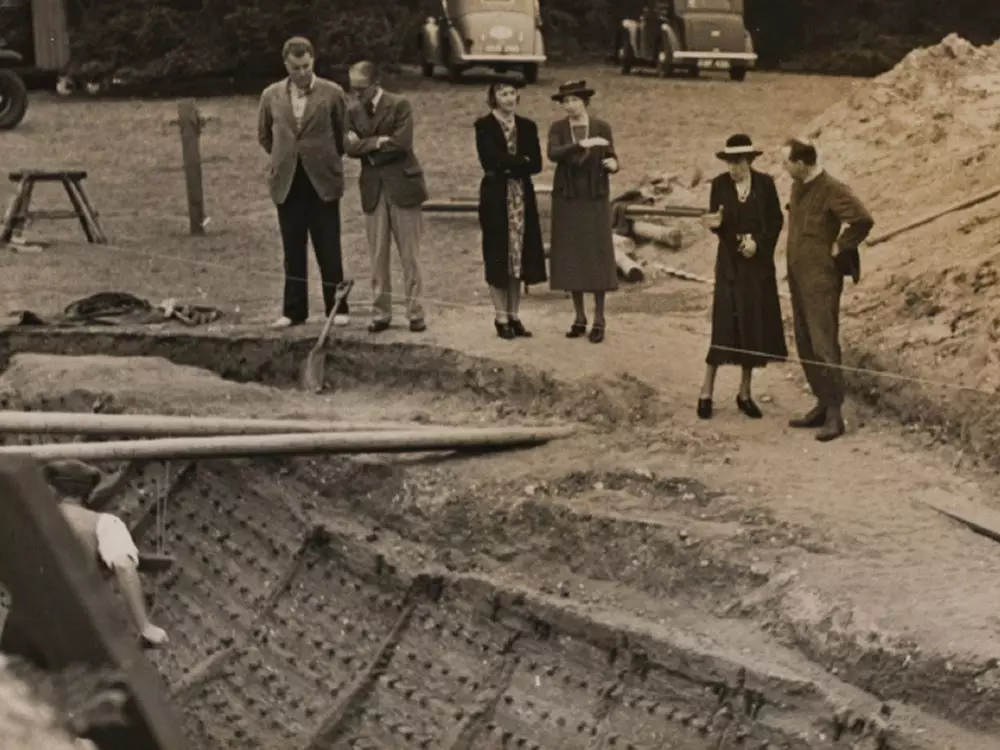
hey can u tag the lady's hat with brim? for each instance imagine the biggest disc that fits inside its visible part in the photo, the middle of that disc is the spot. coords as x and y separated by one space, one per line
738 146
573 88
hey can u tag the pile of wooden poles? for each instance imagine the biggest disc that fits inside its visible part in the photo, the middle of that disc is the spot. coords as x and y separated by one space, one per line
165 437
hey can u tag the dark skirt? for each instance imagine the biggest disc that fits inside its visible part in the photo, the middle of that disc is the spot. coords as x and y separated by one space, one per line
746 315
582 258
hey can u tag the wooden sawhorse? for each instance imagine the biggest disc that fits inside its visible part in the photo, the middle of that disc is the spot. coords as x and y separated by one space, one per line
19 213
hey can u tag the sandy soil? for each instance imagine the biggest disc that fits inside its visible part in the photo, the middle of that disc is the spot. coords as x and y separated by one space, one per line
821 561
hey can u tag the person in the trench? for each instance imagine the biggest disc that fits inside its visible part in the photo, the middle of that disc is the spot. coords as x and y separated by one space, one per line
108 544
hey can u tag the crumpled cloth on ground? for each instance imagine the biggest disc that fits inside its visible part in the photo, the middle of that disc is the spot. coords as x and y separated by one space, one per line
119 308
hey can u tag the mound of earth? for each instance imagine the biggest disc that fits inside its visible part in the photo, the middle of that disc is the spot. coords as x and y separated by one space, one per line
915 140
155 385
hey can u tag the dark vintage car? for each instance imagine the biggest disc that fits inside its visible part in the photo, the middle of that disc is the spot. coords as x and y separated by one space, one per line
687 36
13 93
500 34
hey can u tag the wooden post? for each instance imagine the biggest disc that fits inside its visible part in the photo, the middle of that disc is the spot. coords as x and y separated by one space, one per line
189 120
69 613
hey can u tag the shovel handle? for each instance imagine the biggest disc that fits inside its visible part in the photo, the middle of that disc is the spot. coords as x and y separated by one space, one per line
343 289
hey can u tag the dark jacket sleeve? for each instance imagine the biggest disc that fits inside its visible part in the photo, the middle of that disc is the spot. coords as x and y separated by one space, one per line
338 116
846 206
559 149
534 154
715 203
858 223
774 217
492 156
609 150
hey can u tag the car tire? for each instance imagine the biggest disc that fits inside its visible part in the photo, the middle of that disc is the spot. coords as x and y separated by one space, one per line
737 74
13 100
530 73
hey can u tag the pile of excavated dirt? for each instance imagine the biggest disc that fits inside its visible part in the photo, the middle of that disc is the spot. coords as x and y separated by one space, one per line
913 141
921 137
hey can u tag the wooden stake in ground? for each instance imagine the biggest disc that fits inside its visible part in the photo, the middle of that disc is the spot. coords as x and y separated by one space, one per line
160 425
403 441
312 377
190 122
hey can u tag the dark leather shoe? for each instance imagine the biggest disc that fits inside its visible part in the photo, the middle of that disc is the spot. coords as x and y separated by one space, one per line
504 330
596 334
377 326
518 328
704 408
831 430
418 326
578 329
748 407
815 418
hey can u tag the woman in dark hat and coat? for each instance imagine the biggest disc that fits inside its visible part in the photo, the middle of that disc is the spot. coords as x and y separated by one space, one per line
513 252
582 258
747 328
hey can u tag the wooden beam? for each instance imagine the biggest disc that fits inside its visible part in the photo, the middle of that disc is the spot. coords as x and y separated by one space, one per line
163 425
408 441
70 612
982 520
190 122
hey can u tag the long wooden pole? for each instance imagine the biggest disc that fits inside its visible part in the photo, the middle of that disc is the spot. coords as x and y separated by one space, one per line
190 122
408 441
162 425
933 216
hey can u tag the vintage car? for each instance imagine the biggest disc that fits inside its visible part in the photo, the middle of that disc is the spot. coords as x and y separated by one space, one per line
13 93
499 34
689 36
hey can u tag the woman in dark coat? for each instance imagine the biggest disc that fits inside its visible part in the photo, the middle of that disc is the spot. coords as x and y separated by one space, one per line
513 253
746 311
582 259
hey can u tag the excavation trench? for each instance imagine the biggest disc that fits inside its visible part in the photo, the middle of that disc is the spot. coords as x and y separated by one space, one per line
439 602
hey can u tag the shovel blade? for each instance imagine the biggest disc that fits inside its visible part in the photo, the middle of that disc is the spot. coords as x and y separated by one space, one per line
313 375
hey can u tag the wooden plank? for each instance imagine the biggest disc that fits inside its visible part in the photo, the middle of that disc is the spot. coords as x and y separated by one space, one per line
982 520
189 121
72 614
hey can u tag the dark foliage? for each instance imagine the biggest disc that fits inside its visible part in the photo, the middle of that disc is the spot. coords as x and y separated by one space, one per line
172 40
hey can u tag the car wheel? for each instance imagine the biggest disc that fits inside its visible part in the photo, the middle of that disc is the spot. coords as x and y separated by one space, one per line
737 74
626 56
13 100
531 73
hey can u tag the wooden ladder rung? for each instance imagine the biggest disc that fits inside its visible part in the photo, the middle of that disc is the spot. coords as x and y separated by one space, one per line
53 215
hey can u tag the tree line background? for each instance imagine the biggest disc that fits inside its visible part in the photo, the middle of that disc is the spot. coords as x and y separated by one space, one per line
172 40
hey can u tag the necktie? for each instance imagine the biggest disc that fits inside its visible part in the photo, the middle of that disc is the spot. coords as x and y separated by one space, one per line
371 109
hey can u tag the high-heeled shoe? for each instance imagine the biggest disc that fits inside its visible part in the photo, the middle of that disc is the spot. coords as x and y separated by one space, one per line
504 330
704 408
578 329
518 328
748 407
597 333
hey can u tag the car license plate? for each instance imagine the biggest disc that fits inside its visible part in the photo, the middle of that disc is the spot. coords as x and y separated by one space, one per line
501 49
720 64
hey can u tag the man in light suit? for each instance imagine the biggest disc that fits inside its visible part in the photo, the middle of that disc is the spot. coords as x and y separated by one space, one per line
301 127
380 135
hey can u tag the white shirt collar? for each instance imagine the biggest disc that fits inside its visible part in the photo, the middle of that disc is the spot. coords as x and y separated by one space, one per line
307 89
816 173
377 98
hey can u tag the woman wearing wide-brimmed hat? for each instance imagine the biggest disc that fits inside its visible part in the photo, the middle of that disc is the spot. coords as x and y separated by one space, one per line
513 252
582 258
747 327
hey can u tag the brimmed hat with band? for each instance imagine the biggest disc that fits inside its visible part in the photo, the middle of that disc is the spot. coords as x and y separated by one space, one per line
738 146
573 88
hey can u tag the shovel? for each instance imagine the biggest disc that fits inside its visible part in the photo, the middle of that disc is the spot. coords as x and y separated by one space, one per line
312 377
